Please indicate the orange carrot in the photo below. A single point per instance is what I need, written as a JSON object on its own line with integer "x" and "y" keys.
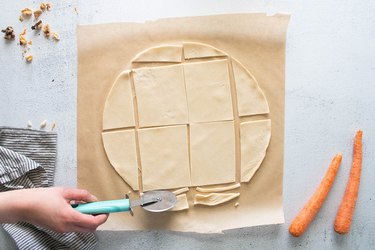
{"x": 345, "y": 213}
{"x": 308, "y": 212}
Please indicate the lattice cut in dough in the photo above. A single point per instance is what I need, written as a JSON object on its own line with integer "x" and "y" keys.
{"x": 118, "y": 107}
{"x": 164, "y": 157}
{"x": 255, "y": 137}
{"x": 161, "y": 96}
{"x": 120, "y": 147}
{"x": 214, "y": 199}
{"x": 218, "y": 189}
{"x": 208, "y": 91}
{"x": 166, "y": 53}
{"x": 250, "y": 98}
{"x": 199, "y": 50}
{"x": 212, "y": 153}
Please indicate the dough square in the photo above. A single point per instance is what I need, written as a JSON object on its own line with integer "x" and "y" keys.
{"x": 164, "y": 157}
{"x": 161, "y": 96}
{"x": 120, "y": 147}
{"x": 208, "y": 91}
{"x": 212, "y": 153}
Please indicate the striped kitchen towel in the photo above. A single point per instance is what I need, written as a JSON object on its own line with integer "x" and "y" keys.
{"x": 27, "y": 160}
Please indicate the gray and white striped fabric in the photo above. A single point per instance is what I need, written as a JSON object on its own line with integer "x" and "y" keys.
{"x": 27, "y": 160}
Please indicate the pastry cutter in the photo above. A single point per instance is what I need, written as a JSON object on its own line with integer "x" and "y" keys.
{"x": 153, "y": 201}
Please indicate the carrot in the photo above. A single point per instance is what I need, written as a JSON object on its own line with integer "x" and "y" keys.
{"x": 311, "y": 208}
{"x": 345, "y": 213}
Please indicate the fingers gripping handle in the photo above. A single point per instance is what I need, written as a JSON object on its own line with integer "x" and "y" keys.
{"x": 103, "y": 207}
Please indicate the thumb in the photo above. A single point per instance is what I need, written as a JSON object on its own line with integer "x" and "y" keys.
{"x": 78, "y": 195}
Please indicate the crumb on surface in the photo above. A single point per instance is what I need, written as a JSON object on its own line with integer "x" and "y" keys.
{"x": 26, "y": 12}
{"x": 43, "y": 6}
{"x": 237, "y": 204}
{"x": 47, "y": 30}
{"x": 37, "y": 14}
{"x": 56, "y": 36}
{"x": 29, "y": 58}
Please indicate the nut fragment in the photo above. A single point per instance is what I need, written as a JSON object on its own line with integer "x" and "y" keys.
{"x": 48, "y": 6}
{"x": 56, "y": 36}
{"x": 23, "y": 40}
{"x": 37, "y": 25}
{"x": 43, "y": 124}
{"x": 29, "y": 58}
{"x": 21, "y": 18}
{"x": 9, "y": 33}
{"x": 43, "y": 6}
{"x": 37, "y": 14}
{"x": 29, "y": 124}
{"x": 53, "y": 126}
{"x": 26, "y": 12}
{"x": 237, "y": 204}
{"x": 47, "y": 30}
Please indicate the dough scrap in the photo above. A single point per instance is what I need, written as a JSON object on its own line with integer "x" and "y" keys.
{"x": 166, "y": 53}
{"x": 118, "y": 108}
{"x": 182, "y": 203}
{"x": 120, "y": 147}
{"x": 212, "y": 153}
{"x": 161, "y": 96}
{"x": 200, "y": 50}
{"x": 250, "y": 98}
{"x": 208, "y": 91}
{"x": 255, "y": 137}
{"x": 164, "y": 157}
{"x": 181, "y": 190}
{"x": 218, "y": 189}
{"x": 214, "y": 199}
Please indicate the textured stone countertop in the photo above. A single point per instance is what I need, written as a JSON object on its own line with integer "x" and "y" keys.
{"x": 330, "y": 89}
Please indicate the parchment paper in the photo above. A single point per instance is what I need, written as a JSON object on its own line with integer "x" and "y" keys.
{"x": 256, "y": 40}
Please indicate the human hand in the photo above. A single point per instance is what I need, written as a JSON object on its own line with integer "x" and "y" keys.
{"x": 50, "y": 208}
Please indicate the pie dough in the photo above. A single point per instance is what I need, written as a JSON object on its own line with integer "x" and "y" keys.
{"x": 250, "y": 98}
{"x": 181, "y": 190}
{"x": 167, "y": 53}
{"x": 161, "y": 96}
{"x": 200, "y": 50}
{"x": 255, "y": 138}
{"x": 120, "y": 147}
{"x": 212, "y": 153}
{"x": 214, "y": 198}
{"x": 164, "y": 157}
{"x": 118, "y": 108}
{"x": 185, "y": 121}
{"x": 208, "y": 91}
{"x": 218, "y": 189}
{"x": 181, "y": 204}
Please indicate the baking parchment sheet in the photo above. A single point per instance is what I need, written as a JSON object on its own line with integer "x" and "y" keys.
{"x": 105, "y": 50}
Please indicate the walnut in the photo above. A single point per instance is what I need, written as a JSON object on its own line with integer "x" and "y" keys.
{"x": 23, "y": 40}
{"x": 47, "y": 30}
{"x": 37, "y": 26}
{"x": 26, "y": 12}
{"x": 9, "y": 33}
{"x": 37, "y": 14}
{"x": 43, "y": 6}
{"x": 29, "y": 58}
{"x": 56, "y": 36}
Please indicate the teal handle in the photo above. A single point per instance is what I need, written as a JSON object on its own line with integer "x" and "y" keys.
{"x": 103, "y": 207}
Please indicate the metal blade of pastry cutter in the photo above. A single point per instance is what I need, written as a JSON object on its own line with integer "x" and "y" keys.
{"x": 156, "y": 201}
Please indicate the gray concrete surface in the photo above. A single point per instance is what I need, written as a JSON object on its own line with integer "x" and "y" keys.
{"x": 330, "y": 88}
